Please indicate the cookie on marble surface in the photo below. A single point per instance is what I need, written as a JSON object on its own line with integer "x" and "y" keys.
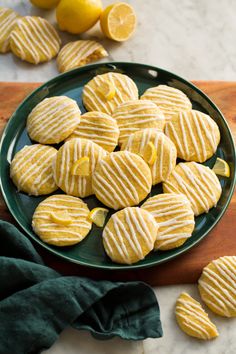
{"x": 165, "y": 149}
{"x": 192, "y": 318}
{"x": 99, "y": 127}
{"x": 8, "y": 19}
{"x": 61, "y": 220}
{"x": 175, "y": 219}
{"x": 169, "y": 99}
{"x": 133, "y": 116}
{"x": 129, "y": 235}
{"x": 67, "y": 156}
{"x": 195, "y": 135}
{"x": 34, "y": 40}
{"x": 198, "y": 182}
{"x": 79, "y": 53}
{"x": 121, "y": 179}
{"x": 53, "y": 120}
{"x": 107, "y": 91}
{"x": 217, "y": 286}
{"x": 31, "y": 169}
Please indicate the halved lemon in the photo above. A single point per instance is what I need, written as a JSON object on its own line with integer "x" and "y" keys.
{"x": 118, "y": 21}
{"x": 81, "y": 167}
{"x": 150, "y": 153}
{"x": 107, "y": 90}
{"x": 221, "y": 168}
{"x": 61, "y": 217}
{"x": 98, "y": 216}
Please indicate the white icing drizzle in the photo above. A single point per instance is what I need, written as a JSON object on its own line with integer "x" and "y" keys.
{"x": 197, "y": 182}
{"x": 74, "y": 53}
{"x": 33, "y": 163}
{"x": 136, "y": 115}
{"x": 194, "y": 126}
{"x": 170, "y": 100}
{"x": 131, "y": 236}
{"x": 98, "y": 127}
{"x": 8, "y": 20}
{"x": 50, "y": 231}
{"x": 166, "y": 152}
{"x": 194, "y": 317}
{"x": 37, "y": 37}
{"x": 174, "y": 216}
{"x": 70, "y": 152}
{"x": 118, "y": 180}
{"x": 51, "y": 116}
{"x": 125, "y": 90}
{"x": 219, "y": 284}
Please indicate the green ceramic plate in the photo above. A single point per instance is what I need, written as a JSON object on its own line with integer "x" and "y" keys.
{"x": 90, "y": 251}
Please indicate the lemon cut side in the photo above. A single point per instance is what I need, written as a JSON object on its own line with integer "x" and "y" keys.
{"x": 98, "y": 216}
{"x": 118, "y": 21}
{"x": 221, "y": 168}
{"x": 81, "y": 167}
{"x": 149, "y": 153}
{"x": 61, "y": 218}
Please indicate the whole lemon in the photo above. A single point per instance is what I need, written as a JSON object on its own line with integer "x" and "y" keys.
{"x": 45, "y": 4}
{"x": 77, "y": 16}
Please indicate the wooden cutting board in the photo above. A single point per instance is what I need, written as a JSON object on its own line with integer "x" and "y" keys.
{"x": 221, "y": 240}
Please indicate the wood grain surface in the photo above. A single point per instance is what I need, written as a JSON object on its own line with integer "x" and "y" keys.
{"x": 184, "y": 269}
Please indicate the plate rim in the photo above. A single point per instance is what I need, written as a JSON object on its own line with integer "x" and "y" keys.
{"x": 114, "y": 266}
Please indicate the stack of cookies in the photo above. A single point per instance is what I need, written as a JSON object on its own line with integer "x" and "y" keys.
{"x": 121, "y": 147}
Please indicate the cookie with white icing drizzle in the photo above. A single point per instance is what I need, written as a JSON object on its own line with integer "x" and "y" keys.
{"x": 129, "y": 235}
{"x": 8, "y": 18}
{"x": 136, "y": 115}
{"x": 34, "y": 40}
{"x": 166, "y": 151}
{"x": 99, "y": 127}
{"x": 124, "y": 88}
{"x": 195, "y": 135}
{"x": 55, "y": 210}
{"x": 217, "y": 286}
{"x": 31, "y": 169}
{"x": 68, "y": 154}
{"x": 198, "y": 182}
{"x": 53, "y": 120}
{"x": 192, "y": 318}
{"x": 79, "y": 53}
{"x": 169, "y": 99}
{"x": 121, "y": 179}
{"x": 175, "y": 219}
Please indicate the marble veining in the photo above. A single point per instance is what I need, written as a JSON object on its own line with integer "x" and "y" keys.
{"x": 195, "y": 39}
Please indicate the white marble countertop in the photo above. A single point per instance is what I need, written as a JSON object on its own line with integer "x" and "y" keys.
{"x": 195, "y": 39}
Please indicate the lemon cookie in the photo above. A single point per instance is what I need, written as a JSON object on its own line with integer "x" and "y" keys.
{"x": 98, "y": 127}
{"x": 107, "y": 91}
{"x": 192, "y": 319}
{"x": 8, "y": 18}
{"x": 198, "y": 182}
{"x": 217, "y": 286}
{"x": 66, "y": 176}
{"x": 121, "y": 179}
{"x": 165, "y": 159}
{"x": 61, "y": 220}
{"x": 129, "y": 235}
{"x": 31, "y": 169}
{"x": 169, "y": 99}
{"x": 79, "y": 53}
{"x": 175, "y": 218}
{"x": 195, "y": 135}
{"x": 34, "y": 40}
{"x": 133, "y": 116}
{"x": 53, "y": 120}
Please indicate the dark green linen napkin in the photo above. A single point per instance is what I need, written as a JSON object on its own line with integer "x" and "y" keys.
{"x": 37, "y": 303}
